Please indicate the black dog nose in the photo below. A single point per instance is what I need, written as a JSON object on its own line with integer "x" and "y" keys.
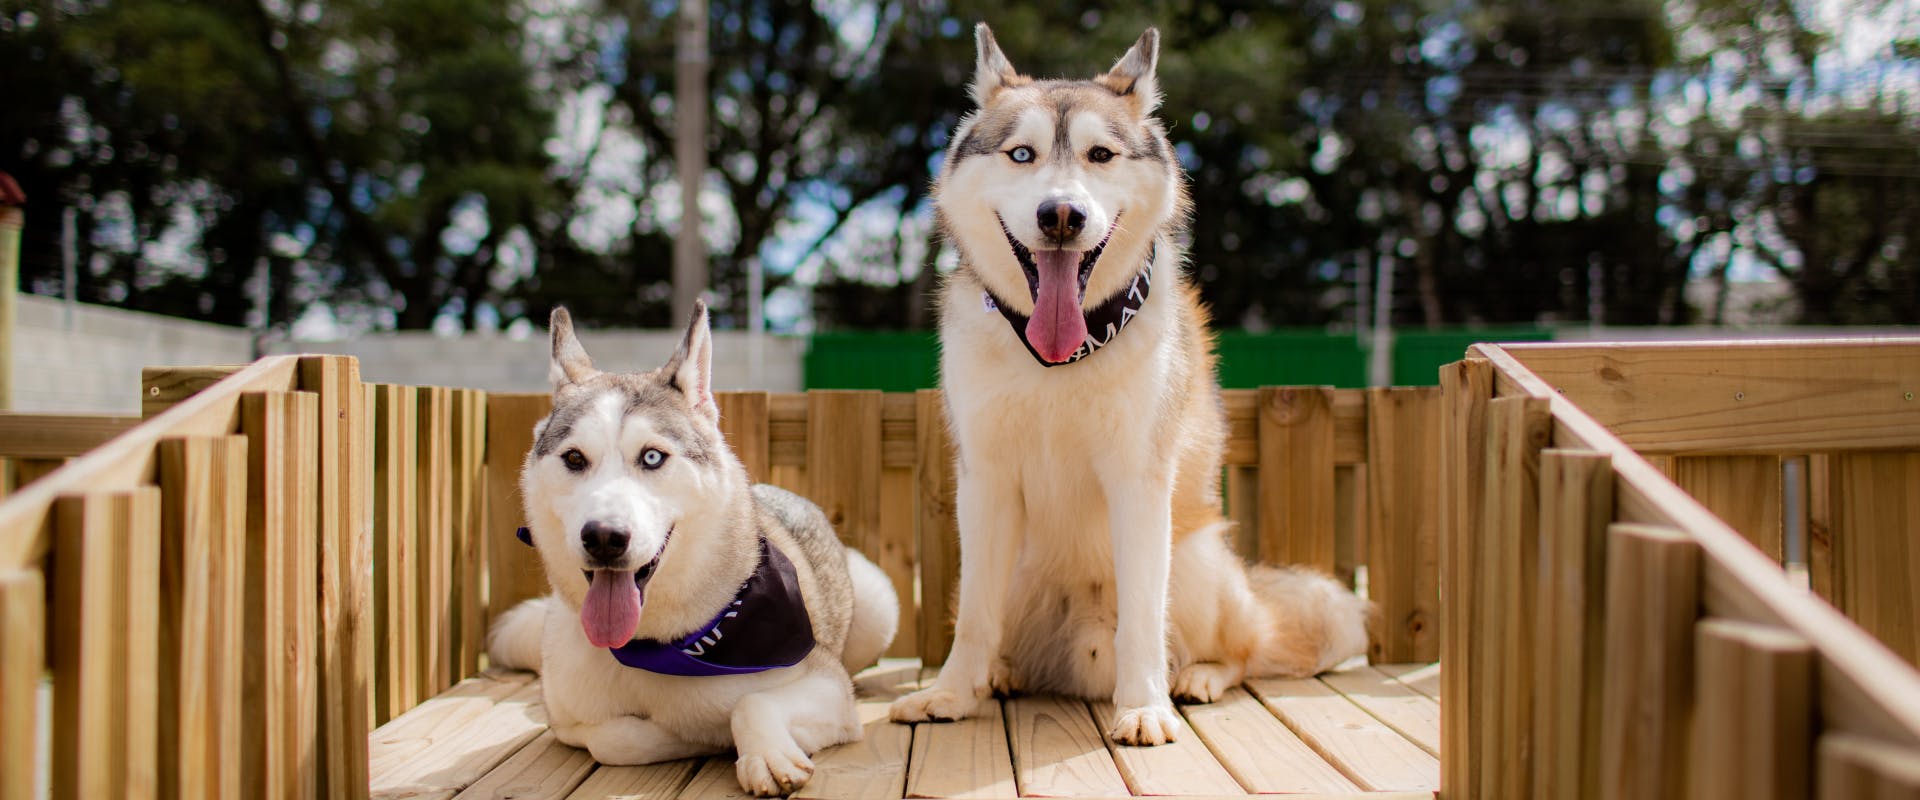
{"x": 1061, "y": 221}
{"x": 604, "y": 543}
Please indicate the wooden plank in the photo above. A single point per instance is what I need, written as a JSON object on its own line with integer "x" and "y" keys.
{"x": 1753, "y": 717}
{"x": 1744, "y": 491}
{"x": 1183, "y": 766}
{"x": 899, "y": 525}
{"x": 1576, "y": 505}
{"x": 22, "y": 626}
{"x": 1854, "y": 767}
{"x": 1296, "y": 474}
{"x": 346, "y": 570}
{"x": 468, "y": 530}
{"x": 396, "y": 569}
{"x": 282, "y": 517}
{"x": 1242, "y": 407}
{"x": 1412, "y": 714}
{"x": 1422, "y": 678}
{"x": 1876, "y": 544}
{"x": 402, "y": 738}
{"x": 513, "y": 569}
{"x": 875, "y": 767}
{"x": 203, "y": 484}
{"x": 1507, "y": 580}
{"x": 843, "y": 478}
{"x": 649, "y": 782}
{"x": 105, "y": 645}
{"x": 434, "y": 510}
{"x": 938, "y": 528}
{"x": 444, "y": 758}
{"x": 714, "y": 780}
{"x": 787, "y": 429}
{"x": 1241, "y": 490}
{"x": 57, "y": 435}
{"x": 543, "y": 770}
{"x": 1258, "y": 750}
{"x": 1057, "y": 750}
{"x": 899, "y": 430}
{"x": 162, "y": 388}
{"x": 743, "y": 421}
{"x": 966, "y": 758}
{"x": 1465, "y": 387}
{"x": 1820, "y": 566}
{"x": 1369, "y": 753}
{"x": 1403, "y": 466}
{"x": 1745, "y": 397}
{"x": 1653, "y": 597}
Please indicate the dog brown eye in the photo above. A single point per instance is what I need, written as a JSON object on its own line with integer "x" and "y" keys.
{"x": 574, "y": 459}
{"x": 1100, "y": 155}
{"x": 1021, "y": 155}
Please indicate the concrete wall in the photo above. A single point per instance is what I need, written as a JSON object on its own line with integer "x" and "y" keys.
{"x": 93, "y": 363}
{"x": 498, "y": 363}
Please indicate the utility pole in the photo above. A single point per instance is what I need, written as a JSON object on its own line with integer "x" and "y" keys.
{"x": 690, "y": 155}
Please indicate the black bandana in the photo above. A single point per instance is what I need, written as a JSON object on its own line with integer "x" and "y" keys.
{"x": 1104, "y": 322}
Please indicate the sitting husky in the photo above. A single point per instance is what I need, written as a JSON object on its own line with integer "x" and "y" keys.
{"x": 690, "y": 611}
{"x": 1079, "y": 378}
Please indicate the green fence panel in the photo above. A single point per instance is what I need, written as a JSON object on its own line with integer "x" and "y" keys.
{"x": 1290, "y": 358}
{"x": 1418, "y": 354}
{"x": 890, "y": 361}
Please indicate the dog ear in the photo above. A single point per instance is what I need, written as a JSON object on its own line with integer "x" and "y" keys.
{"x": 570, "y": 363}
{"x": 691, "y": 368}
{"x": 991, "y": 71}
{"x": 1132, "y": 76}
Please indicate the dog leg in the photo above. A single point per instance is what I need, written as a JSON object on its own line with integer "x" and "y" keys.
{"x": 991, "y": 521}
{"x": 1205, "y": 681}
{"x": 775, "y": 732}
{"x": 627, "y": 741}
{"x": 1140, "y": 516}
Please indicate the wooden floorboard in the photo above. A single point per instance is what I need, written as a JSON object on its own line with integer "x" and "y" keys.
{"x": 1363, "y": 732}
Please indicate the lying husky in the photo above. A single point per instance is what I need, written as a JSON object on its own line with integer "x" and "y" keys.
{"x": 1079, "y": 380}
{"x": 690, "y": 611}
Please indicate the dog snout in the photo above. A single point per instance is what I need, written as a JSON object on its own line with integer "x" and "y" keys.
{"x": 1061, "y": 220}
{"x": 605, "y": 544}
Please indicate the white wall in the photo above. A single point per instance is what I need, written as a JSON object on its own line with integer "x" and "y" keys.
{"x": 93, "y": 364}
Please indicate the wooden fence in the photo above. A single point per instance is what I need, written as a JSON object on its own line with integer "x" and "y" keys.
{"x": 1608, "y": 636}
{"x": 226, "y": 598}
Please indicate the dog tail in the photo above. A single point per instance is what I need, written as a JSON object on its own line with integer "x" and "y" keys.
{"x": 515, "y": 641}
{"x": 1316, "y": 622}
{"x": 876, "y": 614}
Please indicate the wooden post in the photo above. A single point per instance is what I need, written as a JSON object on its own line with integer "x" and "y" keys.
{"x": 1753, "y": 715}
{"x": 1875, "y": 507}
{"x": 23, "y": 627}
{"x": 469, "y": 530}
{"x": 1576, "y": 504}
{"x": 1465, "y": 388}
{"x": 346, "y": 570}
{"x": 203, "y": 575}
{"x": 1403, "y": 464}
{"x": 434, "y": 482}
{"x": 1296, "y": 473}
{"x": 282, "y": 521}
{"x": 1653, "y": 598}
{"x": 396, "y": 571}
{"x": 1507, "y": 557}
{"x": 513, "y": 569}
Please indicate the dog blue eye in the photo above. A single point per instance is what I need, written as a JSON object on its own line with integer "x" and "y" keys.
{"x": 574, "y": 459}
{"x": 652, "y": 459}
{"x": 1021, "y": 155}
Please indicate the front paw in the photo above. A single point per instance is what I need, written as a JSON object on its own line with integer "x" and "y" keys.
{"x": 1146, "y": 725}
{"x": 933, "y": 705}
{"x": 774, "y": 772}
{"x": 1204, "y": 681}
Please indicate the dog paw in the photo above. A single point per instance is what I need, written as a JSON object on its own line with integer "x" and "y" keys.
{"x": 773, "y": 773}
{"x": 1146, "y": 725}
{"x": 1000, "y": 679}
{"x": 1204, "y": 681}
{"x": 933, "y": 705}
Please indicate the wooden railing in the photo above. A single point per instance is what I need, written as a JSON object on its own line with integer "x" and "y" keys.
{"x": 1609, "y": 636}
{"x": 225, "y": 599}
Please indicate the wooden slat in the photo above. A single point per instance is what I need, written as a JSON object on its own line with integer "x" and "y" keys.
{"x": 1351, "y": 523}
{"x": 874, "y": 768}
{"x": 400, "y": 739}
{"x": 1753, "y": 718}
{"x": 1508, "y": 572}
{"x": 57, "y": 435}
{"x": 1653, "y": 590}
{"x": 1183, "y": 766}
{"x": 1576, "y": 504}
{"x": 938, "y": 529}
{"x": 743, "y": 421}
{"x": 1465, "y": 387}
{"x": 843, "y": 477}
{"x": 22, "y": 627}
{"x": 513, "y": 569}
{"x": 105, "y": 658}
{"x": 396, "y": 569}
{"x": 1728, "y": 397}
{"x": 1742, "y": 490}
{"x": 469, "y": 529}
{"x": 967, "y": 758}
{"x": 543, "y": 770}
{"x": 434, "y": 510}
{"x": 162, "y": 388}
{"x": 1057, "y": 751}
{"x": 1296, "y": 476}
{"x": 1819, "y": 531}
{"x": 203, "y": 561}
{"x": 715, "y": 779}
{"x": 1242, "y": 407}
{"x": 1259, "y": 751}
{"x": 899, "y": 526}
{"x": 1414, "y": 715}
{"x": 1876, "y": 545}
{"x": 442, "y": 759}
{"x": 1422, "y": 678}
{"x": 899, "y": 431}
{"x": 1369, "y": 753}
{"x": 1403, "y": 466}
{"x": 1854, "y": 767}
{"x": 282, "y": 519}
{"x": 787, "y": 429}
{"x": 346, "y": 569}
{"x": 649, "y": 781}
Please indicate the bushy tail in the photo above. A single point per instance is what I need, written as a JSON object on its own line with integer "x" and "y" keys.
{"x": 876, "y": 614}
{"x": 1317, "y": 623}
{"x": 515, "y": 641}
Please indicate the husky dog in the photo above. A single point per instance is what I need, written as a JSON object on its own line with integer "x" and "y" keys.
{"x": 1079, "y": 381}
{"x": 690, "y": 611}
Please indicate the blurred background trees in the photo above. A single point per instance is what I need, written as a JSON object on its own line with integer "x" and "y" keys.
{"x": 462, "y": 164}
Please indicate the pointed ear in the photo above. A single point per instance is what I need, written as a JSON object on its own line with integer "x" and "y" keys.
{"x": 570, "y": 363}
{"x": 991, "y": 70}
{"x": 691, "y": 368}
{"x": 1132, "y": 76}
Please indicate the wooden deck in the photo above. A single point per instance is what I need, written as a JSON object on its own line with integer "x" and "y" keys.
{"x": 1363, "y": 731}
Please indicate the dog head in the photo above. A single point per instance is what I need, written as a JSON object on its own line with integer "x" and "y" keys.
{"x": 1055, "y": 189}
{"x": 625, "y": 467}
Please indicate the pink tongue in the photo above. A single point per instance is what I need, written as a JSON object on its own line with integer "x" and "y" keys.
{"x": 612, "y": 610}
{"x": 1057, "y": 327}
